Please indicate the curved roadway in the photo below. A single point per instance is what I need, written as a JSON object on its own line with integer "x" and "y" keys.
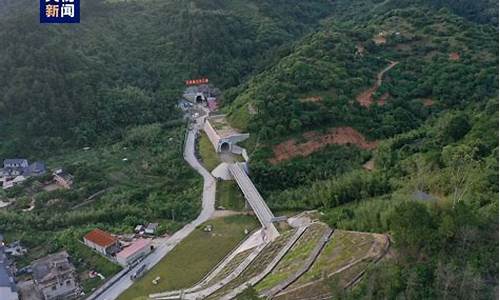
{"x": 208, "y": 207}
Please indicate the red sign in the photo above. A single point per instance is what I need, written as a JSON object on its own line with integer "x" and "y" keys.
{"x": 197, "y": 81}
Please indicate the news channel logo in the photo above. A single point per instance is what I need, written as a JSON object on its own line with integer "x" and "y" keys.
{"x": 59, "y": 11}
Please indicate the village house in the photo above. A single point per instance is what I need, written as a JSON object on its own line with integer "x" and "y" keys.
{"x": 134, "y": 251}
{"x": 63, "y": 178}
{"x": 15, "y": 163}
{"x": 8, "y": 290}
{"x": 16, "y": 171}
{"x": 102, "y": 242}
{"x": 151, "y": 228}
{"x": 55, "y": 277}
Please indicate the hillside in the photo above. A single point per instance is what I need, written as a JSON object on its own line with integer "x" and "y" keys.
{"x": 429, "y": 62}
{"x": 125, "y": 63}
{"x": 382, "y": 115}
{"x": 386, "y": 120}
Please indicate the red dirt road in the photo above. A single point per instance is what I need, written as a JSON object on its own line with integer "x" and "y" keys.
{"x": 315, "y": 141}
{"x": 366, "y": 97}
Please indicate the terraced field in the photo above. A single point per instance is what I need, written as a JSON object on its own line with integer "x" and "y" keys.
{"x": 257, "y": 266}
{"x": 343, "y": 258}
{"x": 345, "y": 248}
{"x": 294, "y": 259}
{"x": 230, "y": 267}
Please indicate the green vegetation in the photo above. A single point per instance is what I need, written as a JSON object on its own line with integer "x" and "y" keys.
{"x": 295, "y": 258}
{"x": 153, "y": 184}
{"x": 343, "y": 249}
{"x": 208, "y": 156}
{"x": 257, "y": 266}
{"x": 112, "y": 82}
{"x": 446, "y": 148}
{"x": 230, "y": 267}
{"x": 198, "y": 253}
{"x": 126, "y": 62}
{"x": 229, "y": 196}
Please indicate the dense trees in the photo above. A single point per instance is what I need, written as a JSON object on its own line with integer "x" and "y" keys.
{"x": 328, "y": 64}
{"x": 125, "y": 63}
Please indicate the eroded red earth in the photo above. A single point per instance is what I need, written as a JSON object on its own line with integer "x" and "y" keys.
{"x": 316, "y": 141}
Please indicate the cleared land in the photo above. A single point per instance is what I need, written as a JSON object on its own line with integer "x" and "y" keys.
{"x": 229, "y": 196}
{"x": 193, "y": 258}
{"x": 316, "y": 141}
{"x": 209, "y": 157}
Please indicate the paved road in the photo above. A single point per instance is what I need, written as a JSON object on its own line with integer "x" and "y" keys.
{"x": 254, "y": 198}
{"x": 208, "y": 204}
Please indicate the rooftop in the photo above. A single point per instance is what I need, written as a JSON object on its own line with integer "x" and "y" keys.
{"x": 17, "y": 161}
{"x": 52, "y": 266}
{"x": 133, "y": 248}
{"x": 100, "y": 237}
{"x": 6, "y": 278}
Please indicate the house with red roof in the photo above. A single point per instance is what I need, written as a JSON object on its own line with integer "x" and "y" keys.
{"x": 102, "y": 242}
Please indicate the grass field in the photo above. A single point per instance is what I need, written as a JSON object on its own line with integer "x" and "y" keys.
{"x": 344, "y": 247}
{"x": 229, "y": 196}
{"x": 295, "y": 258}
{"x": 193, "y": 258}
{"x": 209, "y": 158}
{"x": 256, "y": 267}
{"x": 90, "y": 260}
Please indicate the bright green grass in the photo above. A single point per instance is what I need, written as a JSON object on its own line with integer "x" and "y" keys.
{"x": 229, "y": 196}
{"x": 193, "y": 258}
{"x": 257, "y": 266}
{"x": 209, "y": 157}
{"x": 295, "y": 258}
{"x": 343, "y": 248}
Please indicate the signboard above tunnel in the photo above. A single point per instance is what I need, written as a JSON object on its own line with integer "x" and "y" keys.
{"x": 191, "y": 82}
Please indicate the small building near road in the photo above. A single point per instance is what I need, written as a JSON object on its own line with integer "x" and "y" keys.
{"x": 151, "y": 228}
{"x": 139, "y": 228}
{"x": 102, "y": 242}
{"x": 134, "y": 251}
{"x": 55, "y": 277}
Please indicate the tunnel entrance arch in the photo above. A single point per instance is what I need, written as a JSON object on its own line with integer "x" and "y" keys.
{"x": 199, "y": 99}
{"x": 225, "y": 147}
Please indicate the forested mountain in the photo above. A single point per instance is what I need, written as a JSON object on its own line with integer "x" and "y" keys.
{"x": 125, "y": 63}
{"x": 433, "y": 179}
{"x": 383, "y": 115}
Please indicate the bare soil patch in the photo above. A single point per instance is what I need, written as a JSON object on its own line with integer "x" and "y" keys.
{"x": 369, "y": 165}
{"x": 311, "y": 99}
{"x": 427, "y": 102}
{"x": 316, "y": 141}
{"x": 379, "y": 39}
{"x": 454, "y": 56}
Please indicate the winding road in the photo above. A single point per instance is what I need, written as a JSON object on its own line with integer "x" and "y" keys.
{"x": 121, "y": 281}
